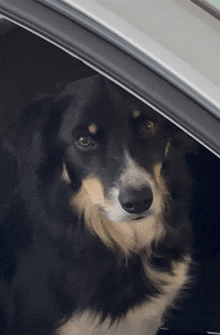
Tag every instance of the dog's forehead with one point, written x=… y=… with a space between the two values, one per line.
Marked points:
x=99 y=111
x=96 y=102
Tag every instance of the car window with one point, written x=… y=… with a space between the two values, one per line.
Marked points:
x=31 y=67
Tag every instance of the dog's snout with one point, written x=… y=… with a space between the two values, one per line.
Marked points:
x=136 y=201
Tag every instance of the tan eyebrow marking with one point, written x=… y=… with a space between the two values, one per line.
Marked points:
x=93 y=128
x=136 y=114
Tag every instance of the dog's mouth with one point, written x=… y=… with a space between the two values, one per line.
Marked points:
x=129 y=217
x=139 y=218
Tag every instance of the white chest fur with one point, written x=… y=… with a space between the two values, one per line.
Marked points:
x=136 y=322
x=144 y=319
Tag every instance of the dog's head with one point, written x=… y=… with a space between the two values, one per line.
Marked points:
x=111 y=151
x=117 y=146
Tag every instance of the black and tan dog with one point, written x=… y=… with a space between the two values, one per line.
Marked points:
x=96 y=238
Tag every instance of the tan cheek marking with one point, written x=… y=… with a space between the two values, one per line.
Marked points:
x=159 y=179
x=157 y=172
x=167 y=149
x=161 y=184
x=95 y=190
x=93 y=128
x=97 y=223
x=136 y=114
x=65 y=175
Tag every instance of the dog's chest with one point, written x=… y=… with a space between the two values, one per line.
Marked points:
x=142 y=320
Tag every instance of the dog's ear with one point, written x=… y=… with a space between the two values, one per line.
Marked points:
x=23 y=138
x=185 y=142
x=181 y=147
x=180 y=143
x=18 y=135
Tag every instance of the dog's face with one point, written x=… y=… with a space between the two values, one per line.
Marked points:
x=117 y=148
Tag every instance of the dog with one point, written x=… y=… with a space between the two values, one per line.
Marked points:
x=96 y=239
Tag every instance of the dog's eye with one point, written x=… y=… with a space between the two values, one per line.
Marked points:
x=84 y=141
x=149 y=127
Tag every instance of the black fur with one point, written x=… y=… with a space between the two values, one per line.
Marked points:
x=51 y=264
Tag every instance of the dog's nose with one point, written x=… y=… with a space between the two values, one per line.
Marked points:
x=136 y=201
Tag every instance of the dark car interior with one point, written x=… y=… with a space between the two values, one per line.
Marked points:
x=29 y=67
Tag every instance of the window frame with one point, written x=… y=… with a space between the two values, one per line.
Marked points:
x=119 y=65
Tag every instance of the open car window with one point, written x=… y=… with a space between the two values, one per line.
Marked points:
x=120 y=64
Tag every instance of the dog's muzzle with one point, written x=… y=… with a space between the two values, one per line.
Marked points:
x=136 y=200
